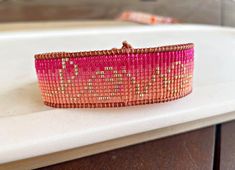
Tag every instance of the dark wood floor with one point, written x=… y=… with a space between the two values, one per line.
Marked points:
x=193 y=150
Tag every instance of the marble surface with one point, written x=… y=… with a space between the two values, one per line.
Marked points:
x=29 y=129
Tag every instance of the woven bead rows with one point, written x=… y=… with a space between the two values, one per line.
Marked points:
x=113 y=80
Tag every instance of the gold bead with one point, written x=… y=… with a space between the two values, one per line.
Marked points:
x=141 y=95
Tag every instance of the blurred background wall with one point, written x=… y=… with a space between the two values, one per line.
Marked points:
x=216 y=12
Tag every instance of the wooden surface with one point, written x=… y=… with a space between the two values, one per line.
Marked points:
x=193 y=150
x=199 y=11
x=227 y=145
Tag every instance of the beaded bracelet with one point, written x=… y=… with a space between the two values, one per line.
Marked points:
x=116 y=77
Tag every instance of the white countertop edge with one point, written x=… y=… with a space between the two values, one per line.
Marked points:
x=207 y=101
x=75 y=153
x=110 y=30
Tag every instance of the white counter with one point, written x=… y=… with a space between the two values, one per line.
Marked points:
x=29 y=129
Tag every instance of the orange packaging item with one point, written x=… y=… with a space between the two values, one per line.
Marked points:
x=145 y=18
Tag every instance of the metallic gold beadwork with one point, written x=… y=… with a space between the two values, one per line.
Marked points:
x=114 y=78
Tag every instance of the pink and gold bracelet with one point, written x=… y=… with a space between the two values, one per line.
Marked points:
x=116 y=77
